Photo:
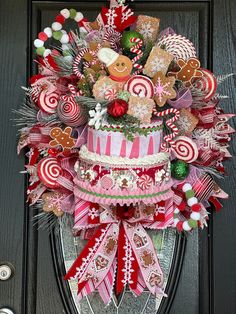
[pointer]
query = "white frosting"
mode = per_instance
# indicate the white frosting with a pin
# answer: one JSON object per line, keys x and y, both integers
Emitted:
{"x": 115, "y": 160}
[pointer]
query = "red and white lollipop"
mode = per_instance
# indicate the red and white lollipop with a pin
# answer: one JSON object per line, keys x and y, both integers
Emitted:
{"x": 185, "y": 149}
{"x": 48, "y": 102}
{"x": 207, "y": 84}
{"x": 71, "y": 113}
{"x": 139, "y": 85}
{"x": 145, "y": 182}
{"x": 48, "y": 171}
{"x": 107, "y": 182}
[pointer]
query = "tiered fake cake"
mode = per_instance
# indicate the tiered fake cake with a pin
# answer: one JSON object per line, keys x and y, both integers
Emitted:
{"x": 114, "y": 170}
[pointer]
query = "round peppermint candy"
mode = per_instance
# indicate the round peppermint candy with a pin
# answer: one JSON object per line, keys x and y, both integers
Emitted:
{"x": 139, "y": 85}
{"x": 48, "y": 102}
{"x": 48, "y": 171}
{"x": 145, "y": 182}
{"x": 207, "y": 84}
{"x": 177, "y": 45}
{"x": 107, "y": 182}
{"x": 71, "y": 113}
{"x": 185, "y": 149}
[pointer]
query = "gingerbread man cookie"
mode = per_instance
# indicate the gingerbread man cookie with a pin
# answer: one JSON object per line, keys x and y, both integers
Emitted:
{"x": 188, "y": 70}
{"x": 119, "y": 66}
{"x": 62, "y": 138}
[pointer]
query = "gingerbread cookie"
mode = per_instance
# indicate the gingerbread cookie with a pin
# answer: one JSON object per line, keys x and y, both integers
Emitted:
{"x": 163, "y": 88}
{"x": 52, "y": 202}
{"x": 119, "y": 66}
{"x": 141, "y": 108}
{"x": 158, "y": 60}
{"x": 102, "y": 86}
{"x": 148, "y": 26}
{"x": 62, "y": 138}
{"x": 188, "y": 70}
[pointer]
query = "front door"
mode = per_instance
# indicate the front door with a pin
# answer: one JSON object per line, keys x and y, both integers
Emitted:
{"x": 200, "y": 269}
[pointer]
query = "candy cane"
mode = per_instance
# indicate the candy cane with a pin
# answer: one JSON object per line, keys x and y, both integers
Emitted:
{"x": 136, "y": 49}
{"x": 57, "y": 32}
{"x": 113, "y": 37}
{"x": 169, "y": 138}
{"x": 78, "y": 58}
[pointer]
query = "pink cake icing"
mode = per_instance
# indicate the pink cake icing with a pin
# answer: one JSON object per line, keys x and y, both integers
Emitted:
{"x": 110, "y": 141}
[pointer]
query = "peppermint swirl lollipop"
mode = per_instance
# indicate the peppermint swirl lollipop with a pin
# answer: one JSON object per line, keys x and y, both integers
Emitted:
{"x": 48, "y": 171}
{"x": 185, "y": 149}
{"x": 207, "y": 84}
{"x": 145, "y": 182}
{"x": 141, "y": 86}
{"x": 48, "y": 102}
{"x": 71, "y": 113}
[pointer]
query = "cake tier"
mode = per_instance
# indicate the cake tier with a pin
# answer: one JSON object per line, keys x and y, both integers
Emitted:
{"x": 111, "y": 141}
{"x": 121, "y": 180}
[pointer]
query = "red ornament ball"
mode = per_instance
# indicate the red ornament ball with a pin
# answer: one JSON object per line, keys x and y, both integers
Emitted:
{"x": 117, "y": 108}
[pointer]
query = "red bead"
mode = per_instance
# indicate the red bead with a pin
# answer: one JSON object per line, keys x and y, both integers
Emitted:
{"x": 179, "y": 226}
{"x": 60, "y": 19}
{"x": 42, "y": 36}
{"x": 196, "y": 208}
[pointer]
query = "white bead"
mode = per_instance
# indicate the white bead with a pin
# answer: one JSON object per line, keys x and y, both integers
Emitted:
{"x": 63, "y": 31}
{"x": 176, "y": 211}
{"x": 48, "y": 31}
{"x": 195, "y": 216}
{"x": 176, "y": 220}
{"x": 38, "y": 43}
{"x": 186, "y": 226}
{"x": 82, "y": 30}
{"x": 47, "y": 52}
{"x": 65, "y": 13}
{"x": 64, "y": 39}
{"x": 56, "y": 26}
{"x": 186, "y": 187}
{"x": 79, "y": 16}
{"x": 191, "y": 201}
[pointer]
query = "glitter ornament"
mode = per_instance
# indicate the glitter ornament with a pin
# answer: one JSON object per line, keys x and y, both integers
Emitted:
{"x": 179, "y": 169}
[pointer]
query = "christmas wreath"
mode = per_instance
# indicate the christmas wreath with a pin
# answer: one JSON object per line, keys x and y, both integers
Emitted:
{"x": 124, "y": 132}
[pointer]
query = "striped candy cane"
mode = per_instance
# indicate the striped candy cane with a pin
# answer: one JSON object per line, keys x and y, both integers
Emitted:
{"x": 169, "y": 138}
{"x": 136, "y": 49}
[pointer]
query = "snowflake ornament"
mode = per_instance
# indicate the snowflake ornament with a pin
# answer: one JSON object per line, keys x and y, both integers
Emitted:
{"x": 163, "y": 88}
{"x": 97, "y": 116}
{"x": 141, "y": 108}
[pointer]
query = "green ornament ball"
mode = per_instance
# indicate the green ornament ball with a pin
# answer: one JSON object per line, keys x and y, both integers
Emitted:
{"x": 125, "y": 40}
{"x": 179, "y": 169}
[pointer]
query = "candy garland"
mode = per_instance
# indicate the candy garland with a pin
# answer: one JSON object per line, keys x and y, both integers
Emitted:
{"x": 195, "y": 206}
{"x": 57, "y": 32}
{"x": 136, "y": 49}
{"x": 170, "y": 123}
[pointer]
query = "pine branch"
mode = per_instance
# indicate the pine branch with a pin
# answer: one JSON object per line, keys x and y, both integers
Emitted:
{"x": 221, "y": 78}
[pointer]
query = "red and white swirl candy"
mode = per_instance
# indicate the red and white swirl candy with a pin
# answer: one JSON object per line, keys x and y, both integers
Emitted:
{"x": 107, "y": 182}
{"x": 139, "y": 85}
{"x": 110, "y": 94}
{"x": 145, "y": 182}
{"x": 48, "y": 171}
{"x": 185, "y": 149}
{"x": 71, "y": 113}
{"x": 207, "y": 84}
{"x": 177, "y": 45}
{"x": 48, "y": 102}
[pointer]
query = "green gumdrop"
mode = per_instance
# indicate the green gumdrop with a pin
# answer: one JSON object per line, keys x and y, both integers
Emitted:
{"x": 125, "y": 40}
{"x": 189, "y": 194}
{"x": 192, "y": 223}
{"x": 57, "y": 35}
{"x": 40, "y": 51}
{"x": 73, "y": 13}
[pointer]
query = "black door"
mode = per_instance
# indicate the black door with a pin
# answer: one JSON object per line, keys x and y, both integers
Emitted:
{"x": 203, "y": 273}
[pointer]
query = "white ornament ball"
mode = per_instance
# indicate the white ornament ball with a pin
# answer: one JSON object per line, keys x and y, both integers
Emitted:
{"x": 195, "y": 216}
{"x": 186, "y": 226}
{"x": 56, "y": 26}
{"x": 192, "y": 201}
{"x": 47, "y": 52}
{"x": 64, "y": 39}
{"x": 79, "y": 16}
{"x": 65, "y": 13}
{"x": 48, "y": 31}
{"x": 187, "y": 187}
{"x": 38, "y": 43}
